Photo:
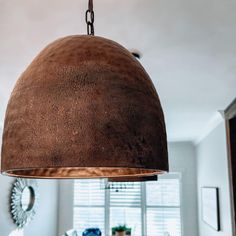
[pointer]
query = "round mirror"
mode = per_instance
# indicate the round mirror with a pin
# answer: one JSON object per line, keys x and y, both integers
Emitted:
{"x": 27, "y": 198}
{"x": 23, "y": 200}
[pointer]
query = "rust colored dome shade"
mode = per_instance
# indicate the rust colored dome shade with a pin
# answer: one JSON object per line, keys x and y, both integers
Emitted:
{"x": 84, "y": 108}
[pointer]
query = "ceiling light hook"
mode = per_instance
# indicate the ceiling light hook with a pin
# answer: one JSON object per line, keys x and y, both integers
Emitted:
{"x": 89, "y": 18}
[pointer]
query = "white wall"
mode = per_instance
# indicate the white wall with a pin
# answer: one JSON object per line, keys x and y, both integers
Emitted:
{"x": 45, "y": 221}
{"x": 182, "y": 159}
{"x": 65, "y": 216}
{"x": 212, "y": 170}
{"x": 6, "y": 223}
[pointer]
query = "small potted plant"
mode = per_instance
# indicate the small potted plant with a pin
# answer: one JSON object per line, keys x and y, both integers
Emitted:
{"x": 120, "y": 230}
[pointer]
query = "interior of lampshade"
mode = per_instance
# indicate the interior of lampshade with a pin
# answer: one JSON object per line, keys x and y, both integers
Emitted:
{"x": 81, "y": 172}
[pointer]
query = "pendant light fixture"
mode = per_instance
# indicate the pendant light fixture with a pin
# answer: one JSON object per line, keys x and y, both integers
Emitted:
{"x": 84, "y": 108}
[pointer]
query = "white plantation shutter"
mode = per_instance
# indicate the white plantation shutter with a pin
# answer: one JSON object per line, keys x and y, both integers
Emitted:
{"x": 163, "y": 206}
{"x": 157, "y": 203}
{"x": 88, "y": 192}
{"x": 130, "y": 197}
{"x": 125, "y": 208}
{"x": 163, "y": 222}
{"x": 89, "y": 201}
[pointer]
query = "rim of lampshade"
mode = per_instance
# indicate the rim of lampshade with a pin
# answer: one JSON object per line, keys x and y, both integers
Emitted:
{"x": 81, "y": 172}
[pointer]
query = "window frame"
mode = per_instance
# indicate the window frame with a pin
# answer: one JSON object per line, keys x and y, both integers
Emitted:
{"x": 143, "y": 206}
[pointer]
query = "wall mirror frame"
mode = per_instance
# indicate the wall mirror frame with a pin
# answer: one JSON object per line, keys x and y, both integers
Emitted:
{"x": 23, "y": 201}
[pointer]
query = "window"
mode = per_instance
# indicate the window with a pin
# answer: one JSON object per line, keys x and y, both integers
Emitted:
{"x": 89, "y": 205}
{"x": 150, "y": 209}
{"x": 125, "y": 208}
{"x": 163, "y": 206}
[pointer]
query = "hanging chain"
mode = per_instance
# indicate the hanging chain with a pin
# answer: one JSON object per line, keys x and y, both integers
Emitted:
{"x": 89, "y": 18}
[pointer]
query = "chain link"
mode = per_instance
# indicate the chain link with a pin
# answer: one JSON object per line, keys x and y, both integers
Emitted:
{"x": 89, "y": 18}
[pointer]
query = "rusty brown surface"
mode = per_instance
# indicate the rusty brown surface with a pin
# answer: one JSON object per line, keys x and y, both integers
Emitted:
{"x": 84, "y": 104}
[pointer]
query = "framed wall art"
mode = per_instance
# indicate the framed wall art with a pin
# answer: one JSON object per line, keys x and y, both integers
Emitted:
{"x": 210, "y": 207}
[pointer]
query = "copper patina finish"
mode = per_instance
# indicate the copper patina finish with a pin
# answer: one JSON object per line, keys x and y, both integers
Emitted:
{"x": 85, "y": 107}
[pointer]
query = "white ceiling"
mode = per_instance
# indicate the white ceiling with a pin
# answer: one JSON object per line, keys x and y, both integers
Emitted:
{"x": 188, "y": 47}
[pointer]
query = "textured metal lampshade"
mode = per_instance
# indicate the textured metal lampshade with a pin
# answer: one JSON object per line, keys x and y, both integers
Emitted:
{"x": 84, "y": 108}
